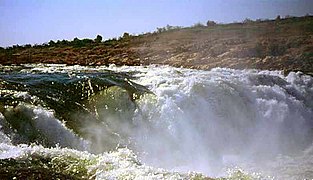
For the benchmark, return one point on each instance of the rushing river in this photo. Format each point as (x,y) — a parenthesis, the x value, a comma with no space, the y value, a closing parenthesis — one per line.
(154,122)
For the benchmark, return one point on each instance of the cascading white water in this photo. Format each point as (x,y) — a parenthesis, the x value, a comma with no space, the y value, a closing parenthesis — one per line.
(209,120)
(204,121)
(41,121)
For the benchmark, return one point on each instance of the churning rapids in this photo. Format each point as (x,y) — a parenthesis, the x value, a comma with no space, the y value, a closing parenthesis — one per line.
(154,122)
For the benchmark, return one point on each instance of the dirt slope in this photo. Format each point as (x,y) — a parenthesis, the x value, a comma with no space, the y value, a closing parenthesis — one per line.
(285,44)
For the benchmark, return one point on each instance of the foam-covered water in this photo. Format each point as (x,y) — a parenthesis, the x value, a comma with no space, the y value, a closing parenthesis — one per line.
(120,164)
(210,120)
(243,123)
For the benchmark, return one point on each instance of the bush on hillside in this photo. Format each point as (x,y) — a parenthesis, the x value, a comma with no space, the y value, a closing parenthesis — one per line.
(98,39)
(210,23)
(198,24)
(247,21)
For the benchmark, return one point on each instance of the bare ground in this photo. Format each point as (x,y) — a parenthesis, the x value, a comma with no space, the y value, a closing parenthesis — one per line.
(285,44)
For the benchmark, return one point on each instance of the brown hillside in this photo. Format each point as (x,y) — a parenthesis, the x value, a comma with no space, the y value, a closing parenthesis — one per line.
(285,44)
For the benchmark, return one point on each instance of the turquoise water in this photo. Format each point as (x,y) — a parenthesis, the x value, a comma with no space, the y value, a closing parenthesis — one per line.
(154,122)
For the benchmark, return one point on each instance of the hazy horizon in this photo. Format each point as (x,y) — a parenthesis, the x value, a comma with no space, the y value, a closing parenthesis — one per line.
(37,22)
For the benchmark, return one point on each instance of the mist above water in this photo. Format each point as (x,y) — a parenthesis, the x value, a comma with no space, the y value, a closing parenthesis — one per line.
(208,121)
(204,121)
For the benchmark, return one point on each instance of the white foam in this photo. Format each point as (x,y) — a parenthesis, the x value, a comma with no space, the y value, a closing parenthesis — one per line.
(56,131)
(208,121)
(199,118)
(3,137)
(121,164)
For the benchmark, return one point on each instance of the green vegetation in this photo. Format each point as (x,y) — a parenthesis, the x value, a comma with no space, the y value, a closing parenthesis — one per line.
(198,24)
(278,44)
(167,28)
(98,39)
(210,23)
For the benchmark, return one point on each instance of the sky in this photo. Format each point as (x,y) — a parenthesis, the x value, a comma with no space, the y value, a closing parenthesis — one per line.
(39,21)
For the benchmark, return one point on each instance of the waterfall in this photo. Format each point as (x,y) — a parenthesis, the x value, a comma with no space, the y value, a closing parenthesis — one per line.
(176,119)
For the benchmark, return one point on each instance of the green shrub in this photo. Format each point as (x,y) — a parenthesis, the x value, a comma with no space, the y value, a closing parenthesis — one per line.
(198,24)
(98,39)
(210,23)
